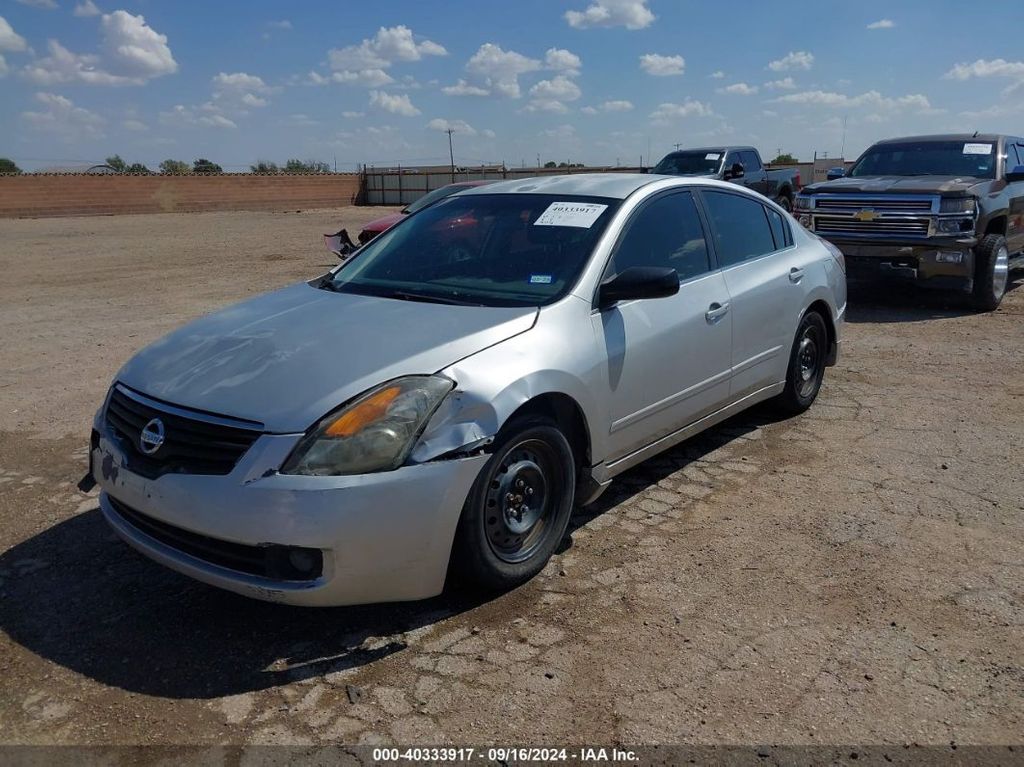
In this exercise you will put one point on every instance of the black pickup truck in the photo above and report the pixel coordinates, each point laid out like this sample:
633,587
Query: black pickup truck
945,211
739,164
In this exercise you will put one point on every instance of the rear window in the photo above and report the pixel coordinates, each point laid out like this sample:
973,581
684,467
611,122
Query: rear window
741,227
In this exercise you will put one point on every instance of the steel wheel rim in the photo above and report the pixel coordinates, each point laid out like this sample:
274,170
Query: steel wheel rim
808,362
1000,272
521,497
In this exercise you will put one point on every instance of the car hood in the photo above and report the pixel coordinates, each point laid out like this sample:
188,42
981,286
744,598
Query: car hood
897,185
383,223
287,358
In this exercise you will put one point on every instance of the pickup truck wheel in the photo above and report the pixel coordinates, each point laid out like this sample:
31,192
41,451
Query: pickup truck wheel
991,272
784,202
518,509
806,369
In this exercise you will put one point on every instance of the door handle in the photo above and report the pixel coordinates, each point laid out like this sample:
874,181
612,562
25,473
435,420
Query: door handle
716,311
795,275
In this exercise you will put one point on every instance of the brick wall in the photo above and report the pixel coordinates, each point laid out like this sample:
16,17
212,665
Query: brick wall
30,195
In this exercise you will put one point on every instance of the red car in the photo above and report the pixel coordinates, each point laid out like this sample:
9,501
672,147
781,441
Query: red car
384,223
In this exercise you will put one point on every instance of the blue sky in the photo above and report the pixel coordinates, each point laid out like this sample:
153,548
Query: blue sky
594,81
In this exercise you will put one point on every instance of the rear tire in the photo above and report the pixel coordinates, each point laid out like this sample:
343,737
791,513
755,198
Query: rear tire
784,202
518,509
806,369
991,273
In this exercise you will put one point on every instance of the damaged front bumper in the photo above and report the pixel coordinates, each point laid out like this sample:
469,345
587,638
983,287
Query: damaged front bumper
936,263
300,540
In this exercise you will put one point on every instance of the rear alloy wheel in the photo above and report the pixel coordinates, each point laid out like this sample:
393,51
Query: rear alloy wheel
991,273
518,509
806,365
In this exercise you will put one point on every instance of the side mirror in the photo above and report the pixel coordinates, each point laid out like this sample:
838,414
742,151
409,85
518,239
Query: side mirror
736,171
834,173
1017,174
638,282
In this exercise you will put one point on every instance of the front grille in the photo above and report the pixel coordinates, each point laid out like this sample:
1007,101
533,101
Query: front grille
193,444
269,561
913,227
893,204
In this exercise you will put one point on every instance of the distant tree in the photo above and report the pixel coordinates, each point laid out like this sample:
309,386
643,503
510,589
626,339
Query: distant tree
117,163
137,167
175,167
306,166
8,166
202,165
551,164
567,165
785,159
263,166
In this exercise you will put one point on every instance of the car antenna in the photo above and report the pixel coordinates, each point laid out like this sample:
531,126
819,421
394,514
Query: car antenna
975,134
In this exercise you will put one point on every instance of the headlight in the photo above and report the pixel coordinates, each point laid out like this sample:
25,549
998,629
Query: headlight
802,202
957,205
375,432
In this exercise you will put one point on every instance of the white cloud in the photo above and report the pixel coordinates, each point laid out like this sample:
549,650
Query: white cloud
353,115
10,41
987,68
872,99
488,133
86,9
182,116
131,53
739,89
793,60
389,45
662,66
398,104
499,69
48,5
4,69
134,125
589,110
717,75
785,84
882,24
239,91
459,126
62,118
561,60
689,108
463,88
631,14
546,105
561,88
619,105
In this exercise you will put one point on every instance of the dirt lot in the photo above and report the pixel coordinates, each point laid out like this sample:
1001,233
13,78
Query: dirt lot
849,576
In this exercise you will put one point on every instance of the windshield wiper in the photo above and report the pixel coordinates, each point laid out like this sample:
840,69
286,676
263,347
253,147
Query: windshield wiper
428,299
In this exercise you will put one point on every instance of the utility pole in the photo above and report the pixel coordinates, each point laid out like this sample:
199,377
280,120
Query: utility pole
677,145
842,152
451,152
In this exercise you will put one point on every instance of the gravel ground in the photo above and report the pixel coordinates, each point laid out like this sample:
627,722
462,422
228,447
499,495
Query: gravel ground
852,575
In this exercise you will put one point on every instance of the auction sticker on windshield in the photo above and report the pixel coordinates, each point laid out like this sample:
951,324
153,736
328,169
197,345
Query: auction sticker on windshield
977,149
578,214
713,156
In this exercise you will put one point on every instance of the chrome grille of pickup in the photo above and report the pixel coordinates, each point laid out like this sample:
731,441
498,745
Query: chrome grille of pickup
873,216
916,227
893,204
194,443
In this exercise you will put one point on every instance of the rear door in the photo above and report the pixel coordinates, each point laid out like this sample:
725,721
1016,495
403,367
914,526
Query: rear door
764,273
756,177
668,359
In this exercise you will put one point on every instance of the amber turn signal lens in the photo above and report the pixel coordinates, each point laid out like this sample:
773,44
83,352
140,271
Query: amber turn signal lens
362,415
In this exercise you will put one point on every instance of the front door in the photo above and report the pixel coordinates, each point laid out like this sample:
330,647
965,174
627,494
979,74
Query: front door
668,359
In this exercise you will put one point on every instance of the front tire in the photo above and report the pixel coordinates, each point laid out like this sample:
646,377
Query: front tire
518,509
991,273
806,369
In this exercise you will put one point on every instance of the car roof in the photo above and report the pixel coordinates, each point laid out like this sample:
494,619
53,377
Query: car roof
719,148
992,137
613,185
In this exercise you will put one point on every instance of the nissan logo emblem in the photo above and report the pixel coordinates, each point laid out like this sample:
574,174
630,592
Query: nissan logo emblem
151,438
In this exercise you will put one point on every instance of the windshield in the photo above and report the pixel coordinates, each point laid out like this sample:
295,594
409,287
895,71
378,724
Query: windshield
431,197
690,164
482,249
975,159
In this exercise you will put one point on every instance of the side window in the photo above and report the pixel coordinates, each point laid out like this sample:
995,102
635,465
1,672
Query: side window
1013,158
733,158
741,227
780,229
665,232
750,161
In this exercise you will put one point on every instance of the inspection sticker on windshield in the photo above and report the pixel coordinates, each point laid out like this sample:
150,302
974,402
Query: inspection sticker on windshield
713,156
977,149
540,279
578,214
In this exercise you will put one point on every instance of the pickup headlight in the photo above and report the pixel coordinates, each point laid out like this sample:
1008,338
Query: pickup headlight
957,205
802,202
375,432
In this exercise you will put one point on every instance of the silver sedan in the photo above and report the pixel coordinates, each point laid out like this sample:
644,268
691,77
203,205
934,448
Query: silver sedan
437,404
